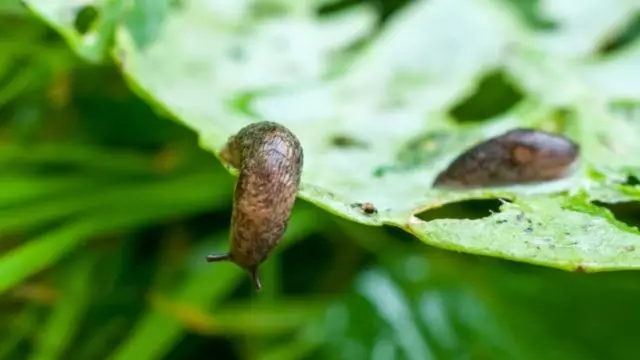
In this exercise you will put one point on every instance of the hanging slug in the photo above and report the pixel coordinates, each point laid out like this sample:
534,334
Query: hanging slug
269,159
518,156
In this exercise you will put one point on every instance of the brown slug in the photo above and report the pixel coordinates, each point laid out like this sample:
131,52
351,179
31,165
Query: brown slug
519,156
269,158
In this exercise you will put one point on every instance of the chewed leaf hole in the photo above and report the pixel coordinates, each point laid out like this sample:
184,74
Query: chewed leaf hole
632,181
495,95
626,212
622,38
469,209
85,18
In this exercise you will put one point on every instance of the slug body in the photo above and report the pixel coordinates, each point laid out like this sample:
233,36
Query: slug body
518,156
269,159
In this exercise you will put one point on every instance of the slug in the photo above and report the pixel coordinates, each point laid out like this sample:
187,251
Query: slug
269,158
519,156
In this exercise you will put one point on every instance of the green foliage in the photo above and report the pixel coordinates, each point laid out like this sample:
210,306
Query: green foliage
301,70
112,114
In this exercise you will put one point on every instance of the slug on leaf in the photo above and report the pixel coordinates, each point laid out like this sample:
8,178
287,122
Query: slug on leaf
518,156
269,158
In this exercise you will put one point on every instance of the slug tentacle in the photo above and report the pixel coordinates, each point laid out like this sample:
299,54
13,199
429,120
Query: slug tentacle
218,257
269,158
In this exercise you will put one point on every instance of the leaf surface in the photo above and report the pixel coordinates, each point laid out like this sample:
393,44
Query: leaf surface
217,66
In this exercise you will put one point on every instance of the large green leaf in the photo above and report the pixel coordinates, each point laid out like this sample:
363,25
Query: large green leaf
217,66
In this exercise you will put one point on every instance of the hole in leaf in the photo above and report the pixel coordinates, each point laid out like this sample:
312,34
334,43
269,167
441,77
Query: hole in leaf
85,18
494,95
337,6
625,212
632,181
469,209
622,38
385,8
529,11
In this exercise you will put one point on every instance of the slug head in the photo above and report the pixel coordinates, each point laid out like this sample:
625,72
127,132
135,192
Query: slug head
546,153
231,152
253,271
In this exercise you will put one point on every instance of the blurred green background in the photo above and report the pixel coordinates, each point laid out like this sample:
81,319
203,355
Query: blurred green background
107,209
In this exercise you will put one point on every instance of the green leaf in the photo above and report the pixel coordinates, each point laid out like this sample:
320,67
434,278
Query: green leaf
219,67
87,26
193,192
65,319
45,250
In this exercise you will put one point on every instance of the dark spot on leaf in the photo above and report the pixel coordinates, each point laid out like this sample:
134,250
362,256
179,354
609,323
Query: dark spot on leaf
494,95
552,246
632,181
236,53
469,209
529,12
177,4
85,17
421,151
344,141
520,216
581,268
567,233
380,171
501,221
629,248
336,6
384,8
367,207
268,9
621,39
625,212
528,230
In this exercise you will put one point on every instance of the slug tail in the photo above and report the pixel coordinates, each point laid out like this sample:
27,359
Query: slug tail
255,278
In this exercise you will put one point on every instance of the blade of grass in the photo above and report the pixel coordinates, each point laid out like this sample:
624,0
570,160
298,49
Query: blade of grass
65,318
196,190
306,341
16,85
24,326
40,253
20,188
101,339
157,331
251,319
83,156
